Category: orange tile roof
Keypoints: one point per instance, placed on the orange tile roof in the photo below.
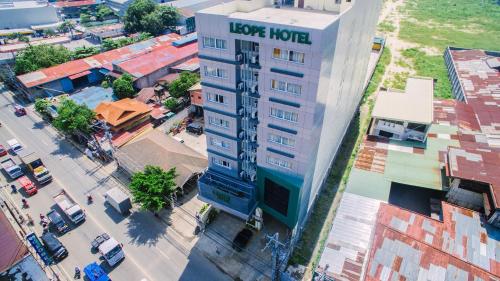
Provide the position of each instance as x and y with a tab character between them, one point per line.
118	112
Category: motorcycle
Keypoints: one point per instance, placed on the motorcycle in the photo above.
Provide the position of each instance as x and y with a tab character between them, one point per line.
13	188
90	200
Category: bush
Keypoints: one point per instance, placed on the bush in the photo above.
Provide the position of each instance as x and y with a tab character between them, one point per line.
41	56
42	106
171	103
179	86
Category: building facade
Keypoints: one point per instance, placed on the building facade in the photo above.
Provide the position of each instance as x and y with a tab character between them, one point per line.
280	86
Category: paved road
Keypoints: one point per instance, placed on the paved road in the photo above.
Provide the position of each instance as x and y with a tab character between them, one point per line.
153	252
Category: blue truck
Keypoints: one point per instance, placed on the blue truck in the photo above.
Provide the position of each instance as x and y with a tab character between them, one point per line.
95	273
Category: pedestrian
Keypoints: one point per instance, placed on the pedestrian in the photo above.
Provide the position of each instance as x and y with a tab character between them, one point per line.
77	272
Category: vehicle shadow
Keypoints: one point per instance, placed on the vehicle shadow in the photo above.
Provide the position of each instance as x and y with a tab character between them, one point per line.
113	214
146	229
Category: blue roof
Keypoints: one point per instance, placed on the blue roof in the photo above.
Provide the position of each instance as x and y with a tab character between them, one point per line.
185	40
92	96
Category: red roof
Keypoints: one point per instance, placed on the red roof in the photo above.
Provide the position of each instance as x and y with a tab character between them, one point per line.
75	3
409	246
13	249
479	78
138	59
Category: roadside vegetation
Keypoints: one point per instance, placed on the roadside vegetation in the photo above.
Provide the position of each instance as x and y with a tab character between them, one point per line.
153	188
72	118
312	242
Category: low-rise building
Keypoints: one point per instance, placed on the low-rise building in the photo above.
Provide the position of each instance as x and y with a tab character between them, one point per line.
106	31
123	115
404	115
157	149
427	211
73	8
145	61
196	97
24	14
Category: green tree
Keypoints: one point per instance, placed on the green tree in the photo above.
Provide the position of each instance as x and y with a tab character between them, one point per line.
123	86
67	26
24	39
49	32
73	117
109	44
153	188
85	18
143	36
179	86
41	56
169	16
103	12
171	103
136	12
83	52
105	84
42	106
152	23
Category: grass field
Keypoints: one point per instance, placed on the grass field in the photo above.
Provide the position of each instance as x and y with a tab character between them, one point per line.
437	24
308	250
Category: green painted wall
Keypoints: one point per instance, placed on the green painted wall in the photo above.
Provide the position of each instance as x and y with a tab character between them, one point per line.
291	183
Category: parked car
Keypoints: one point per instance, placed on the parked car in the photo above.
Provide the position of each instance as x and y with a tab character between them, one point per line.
241	239
19	110
27	185
3	151
195	128
54	246
14	146
57	221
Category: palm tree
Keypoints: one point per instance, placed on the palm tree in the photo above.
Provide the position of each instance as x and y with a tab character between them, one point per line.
67	26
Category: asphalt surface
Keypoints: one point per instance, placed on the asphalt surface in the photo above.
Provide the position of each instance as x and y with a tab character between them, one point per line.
153	252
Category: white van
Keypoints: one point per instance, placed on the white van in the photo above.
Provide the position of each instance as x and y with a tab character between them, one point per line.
14	146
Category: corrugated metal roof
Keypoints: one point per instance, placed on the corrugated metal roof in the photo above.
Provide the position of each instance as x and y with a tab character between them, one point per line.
138	59
349	239
481	85
12	248
458	248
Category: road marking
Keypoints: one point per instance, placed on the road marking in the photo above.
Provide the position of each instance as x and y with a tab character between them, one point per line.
87	214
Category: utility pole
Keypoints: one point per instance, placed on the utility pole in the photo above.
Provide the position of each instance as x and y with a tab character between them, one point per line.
280	253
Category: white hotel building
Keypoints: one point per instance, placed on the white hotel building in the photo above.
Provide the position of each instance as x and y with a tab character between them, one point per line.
280	86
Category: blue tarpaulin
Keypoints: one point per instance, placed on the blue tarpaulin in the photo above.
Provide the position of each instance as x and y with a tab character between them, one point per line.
95	273
92	96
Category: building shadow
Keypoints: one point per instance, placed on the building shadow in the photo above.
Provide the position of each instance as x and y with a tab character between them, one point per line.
143	230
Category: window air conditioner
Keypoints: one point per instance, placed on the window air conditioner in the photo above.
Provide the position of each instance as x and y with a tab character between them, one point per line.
241	134
239	57
254	59
242	174
241	111
253	137
252	159
254	88
253	177
240	86
254	114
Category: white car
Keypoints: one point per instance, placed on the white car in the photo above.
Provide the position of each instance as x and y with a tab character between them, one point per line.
14	146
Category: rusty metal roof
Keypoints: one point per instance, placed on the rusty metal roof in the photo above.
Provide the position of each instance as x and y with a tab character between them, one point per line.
12	248
479	77
138	60
410	246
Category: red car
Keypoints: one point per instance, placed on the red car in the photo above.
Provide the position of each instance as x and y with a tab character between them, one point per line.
3	151
28	186
19	110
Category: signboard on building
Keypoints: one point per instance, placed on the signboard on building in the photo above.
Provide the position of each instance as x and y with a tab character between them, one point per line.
281	34
40	250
